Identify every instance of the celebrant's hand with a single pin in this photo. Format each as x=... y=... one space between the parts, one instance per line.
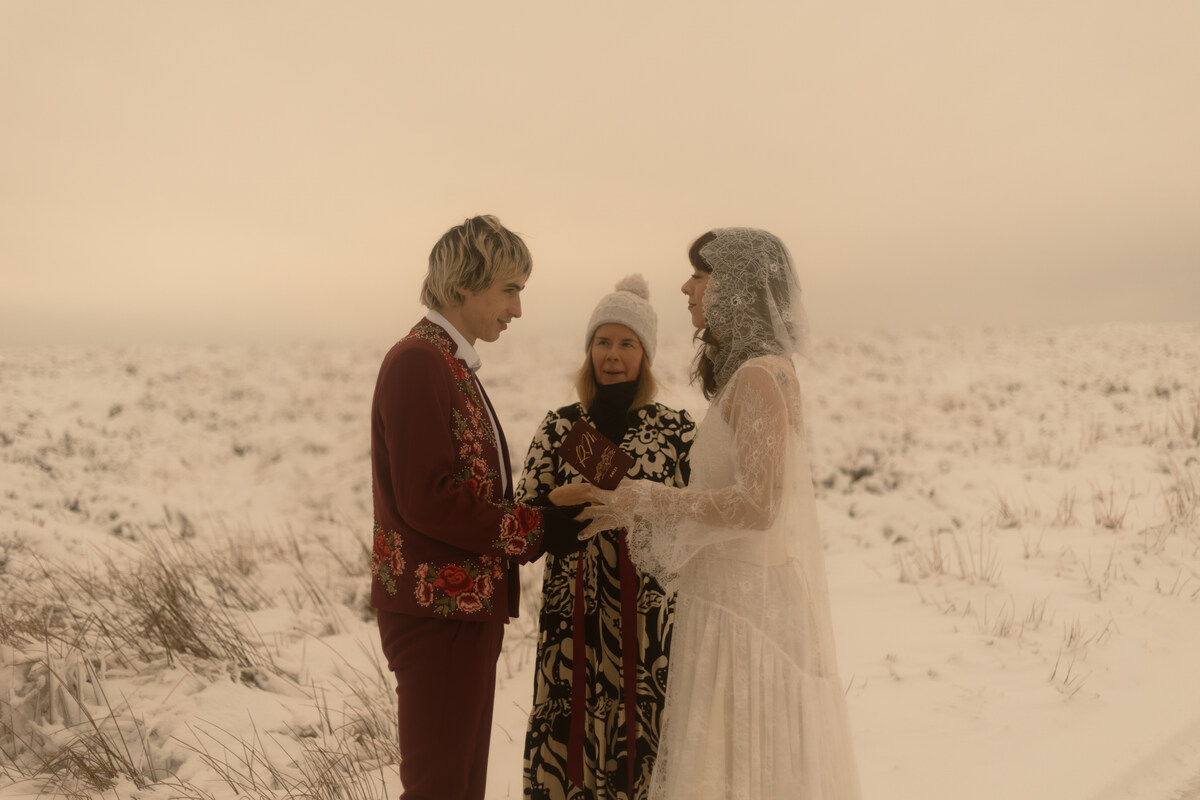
x=572 y=494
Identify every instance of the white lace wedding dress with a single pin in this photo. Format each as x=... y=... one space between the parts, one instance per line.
x=755 y=708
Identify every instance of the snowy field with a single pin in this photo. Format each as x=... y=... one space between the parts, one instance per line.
x=1012 y=521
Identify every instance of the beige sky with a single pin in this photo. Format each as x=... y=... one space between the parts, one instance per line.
x=230 y=171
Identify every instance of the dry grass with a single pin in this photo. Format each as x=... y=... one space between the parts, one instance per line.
x=1064 y=514
x=1031 y=548
x=1049 y=452
x=1181 y=496
x=1007 y=515
x=60 y=733
x=1066 y=678
x=1107 y=510
x=974 y=560
x=1185 y=584
x=166 y=604
x=347 y=757
x=1007 y=623
x=60 y=730
x=1185 y=420
x=1179 y=428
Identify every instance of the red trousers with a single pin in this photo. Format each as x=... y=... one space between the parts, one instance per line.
x=445 y=684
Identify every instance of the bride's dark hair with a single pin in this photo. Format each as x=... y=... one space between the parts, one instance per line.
x=704 y=371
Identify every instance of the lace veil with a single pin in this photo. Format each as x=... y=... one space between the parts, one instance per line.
x=752 y=304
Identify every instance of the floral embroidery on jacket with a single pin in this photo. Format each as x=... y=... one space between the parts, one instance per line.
x=459 y=588
x=518 y=528
x=471 y=429
x=475 y=471
x=387 y=560
x=466 y=587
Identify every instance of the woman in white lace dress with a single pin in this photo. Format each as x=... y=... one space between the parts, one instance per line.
x=754 y=707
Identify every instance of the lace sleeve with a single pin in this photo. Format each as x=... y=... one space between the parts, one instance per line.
x=669 y=525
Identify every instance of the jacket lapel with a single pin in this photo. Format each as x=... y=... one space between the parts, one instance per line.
x=503 y=443
x=430 y=330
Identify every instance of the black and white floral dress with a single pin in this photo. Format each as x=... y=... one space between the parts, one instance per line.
x=577 y=725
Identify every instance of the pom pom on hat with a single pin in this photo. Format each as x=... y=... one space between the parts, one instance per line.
x=634 y=284
x=628 y=305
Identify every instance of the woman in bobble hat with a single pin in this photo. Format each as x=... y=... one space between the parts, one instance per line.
x=605 y=626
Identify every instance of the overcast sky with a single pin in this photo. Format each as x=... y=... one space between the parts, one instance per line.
x=268 y=171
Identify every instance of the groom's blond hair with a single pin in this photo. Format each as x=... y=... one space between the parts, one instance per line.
x=471 y=257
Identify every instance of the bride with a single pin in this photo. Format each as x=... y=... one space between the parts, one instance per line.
x=754 y=706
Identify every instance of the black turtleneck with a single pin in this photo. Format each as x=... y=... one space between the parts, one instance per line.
x=610 y=409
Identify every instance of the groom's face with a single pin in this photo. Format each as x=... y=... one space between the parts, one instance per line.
x=486 y=314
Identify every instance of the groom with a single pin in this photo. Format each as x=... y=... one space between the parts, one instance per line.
x=448 y=536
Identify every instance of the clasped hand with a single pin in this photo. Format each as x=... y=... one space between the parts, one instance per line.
x=597 y=514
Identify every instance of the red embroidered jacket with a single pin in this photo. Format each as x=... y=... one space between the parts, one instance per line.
x=447 y=539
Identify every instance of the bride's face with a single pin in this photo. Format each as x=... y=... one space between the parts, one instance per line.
x=694 y=289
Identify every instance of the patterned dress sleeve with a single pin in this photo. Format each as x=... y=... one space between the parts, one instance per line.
x=683 y=467
x=538 y=476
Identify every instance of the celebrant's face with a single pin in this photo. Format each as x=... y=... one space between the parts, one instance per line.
x=616 y=354
x=694 y=289
x=486 y=314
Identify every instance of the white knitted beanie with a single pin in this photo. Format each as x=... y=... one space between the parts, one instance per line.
x=630 y=306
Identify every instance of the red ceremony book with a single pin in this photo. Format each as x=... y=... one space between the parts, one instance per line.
x=595 y=456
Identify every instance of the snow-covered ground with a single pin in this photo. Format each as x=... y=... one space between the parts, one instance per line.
x=1012 y=519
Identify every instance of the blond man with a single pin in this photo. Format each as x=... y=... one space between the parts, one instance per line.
x=448 y=537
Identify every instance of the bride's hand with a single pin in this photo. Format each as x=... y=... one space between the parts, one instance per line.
x=600 y=517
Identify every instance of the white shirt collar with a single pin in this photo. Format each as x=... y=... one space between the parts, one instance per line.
x=463 y=348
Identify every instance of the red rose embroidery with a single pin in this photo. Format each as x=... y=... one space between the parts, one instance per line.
x=483 y=585
x=479 y=469
x=509 y=527
x=469 y=603
x=380 y=553
x=475 y=413
x=453 y=579
x=424 y=592
x=529 y=518
x=386 y=559
x=471 y=444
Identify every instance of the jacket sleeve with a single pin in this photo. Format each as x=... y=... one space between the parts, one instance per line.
x=440 y=477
